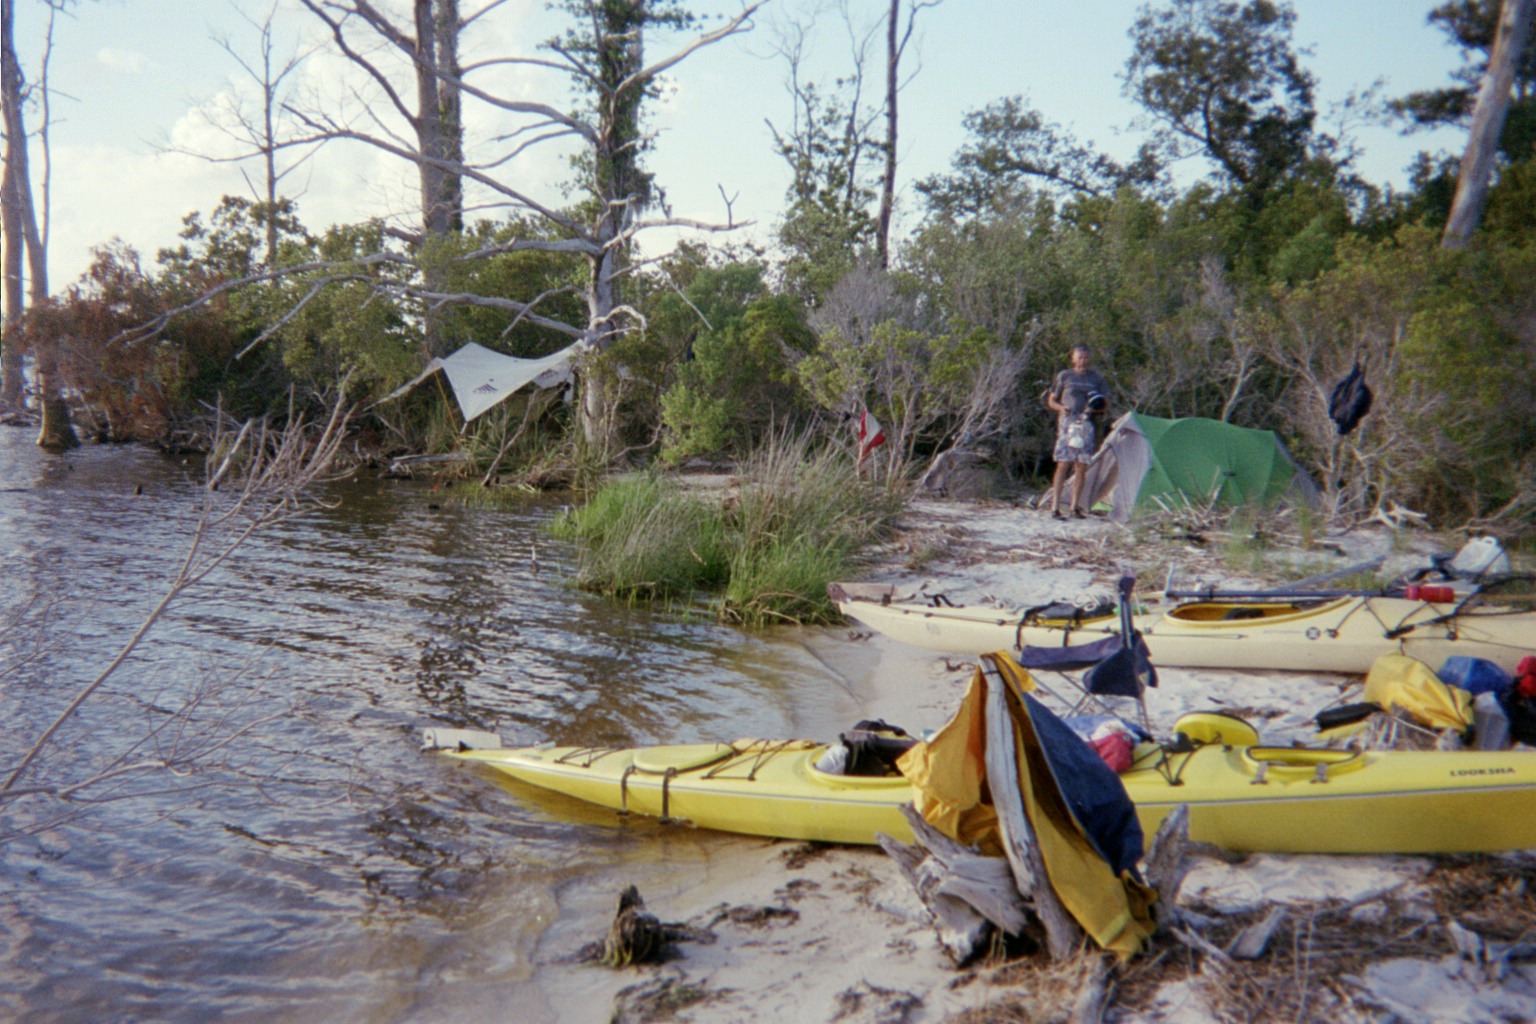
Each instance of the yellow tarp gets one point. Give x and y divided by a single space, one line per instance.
1413 686
949 780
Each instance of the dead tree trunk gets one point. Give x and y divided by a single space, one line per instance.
21 222
1473 180
11 202
888 182
1063 935
431 45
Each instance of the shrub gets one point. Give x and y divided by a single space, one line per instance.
643 538
766 553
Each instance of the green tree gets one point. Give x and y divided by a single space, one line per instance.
736 387
1223 78
1013 149
919 384
827 225
1440 334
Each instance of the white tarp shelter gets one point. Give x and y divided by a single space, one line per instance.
482 379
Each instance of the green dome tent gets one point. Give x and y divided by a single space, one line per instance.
1201 460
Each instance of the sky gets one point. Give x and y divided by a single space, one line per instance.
138 85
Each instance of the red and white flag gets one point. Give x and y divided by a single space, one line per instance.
871 435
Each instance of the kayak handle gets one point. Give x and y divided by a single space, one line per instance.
1296 763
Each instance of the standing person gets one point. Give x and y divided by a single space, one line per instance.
1076 397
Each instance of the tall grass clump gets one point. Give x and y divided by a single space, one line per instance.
800 519
645 538
763 553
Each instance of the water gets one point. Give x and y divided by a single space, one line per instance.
307 861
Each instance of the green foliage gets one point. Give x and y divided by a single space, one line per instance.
644 538
1308 253
347 326
767 553
482 263
1224 79
1012 151
740 384
835 166
1511 213
913 381
1433 329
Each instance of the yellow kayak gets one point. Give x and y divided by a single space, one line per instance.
1328 634
755 787
1241 797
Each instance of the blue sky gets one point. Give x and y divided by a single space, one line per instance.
131 76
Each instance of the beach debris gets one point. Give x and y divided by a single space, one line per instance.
1252 942
1490 958
970 896
993 777
1167 859
636 936
1063 936
662 996
875 1004
1093 997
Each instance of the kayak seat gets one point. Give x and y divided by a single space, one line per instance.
1116 666
1068 658
1208 727
1238 614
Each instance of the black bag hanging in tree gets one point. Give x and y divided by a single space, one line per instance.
1350 401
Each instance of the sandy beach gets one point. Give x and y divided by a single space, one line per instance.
797 932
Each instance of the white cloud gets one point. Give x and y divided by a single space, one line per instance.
123 60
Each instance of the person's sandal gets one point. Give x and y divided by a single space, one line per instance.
1056 514
1078 513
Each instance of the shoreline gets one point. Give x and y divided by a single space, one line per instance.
815 933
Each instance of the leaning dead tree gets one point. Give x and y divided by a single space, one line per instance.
1473 180
604 56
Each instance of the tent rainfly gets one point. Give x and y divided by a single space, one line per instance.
482 379
1145 457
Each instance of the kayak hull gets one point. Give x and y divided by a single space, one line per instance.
1338 634
1283 800
1371 802
760 788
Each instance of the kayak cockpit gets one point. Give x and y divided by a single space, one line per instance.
1226 612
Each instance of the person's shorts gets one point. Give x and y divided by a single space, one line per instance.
1063 452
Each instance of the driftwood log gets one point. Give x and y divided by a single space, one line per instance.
969 896
636 936
1063 936
1088 1007
1166 861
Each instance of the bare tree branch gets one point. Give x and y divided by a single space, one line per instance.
273 474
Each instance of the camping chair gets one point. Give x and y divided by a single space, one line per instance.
1114 667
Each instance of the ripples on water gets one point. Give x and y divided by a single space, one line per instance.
326 868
